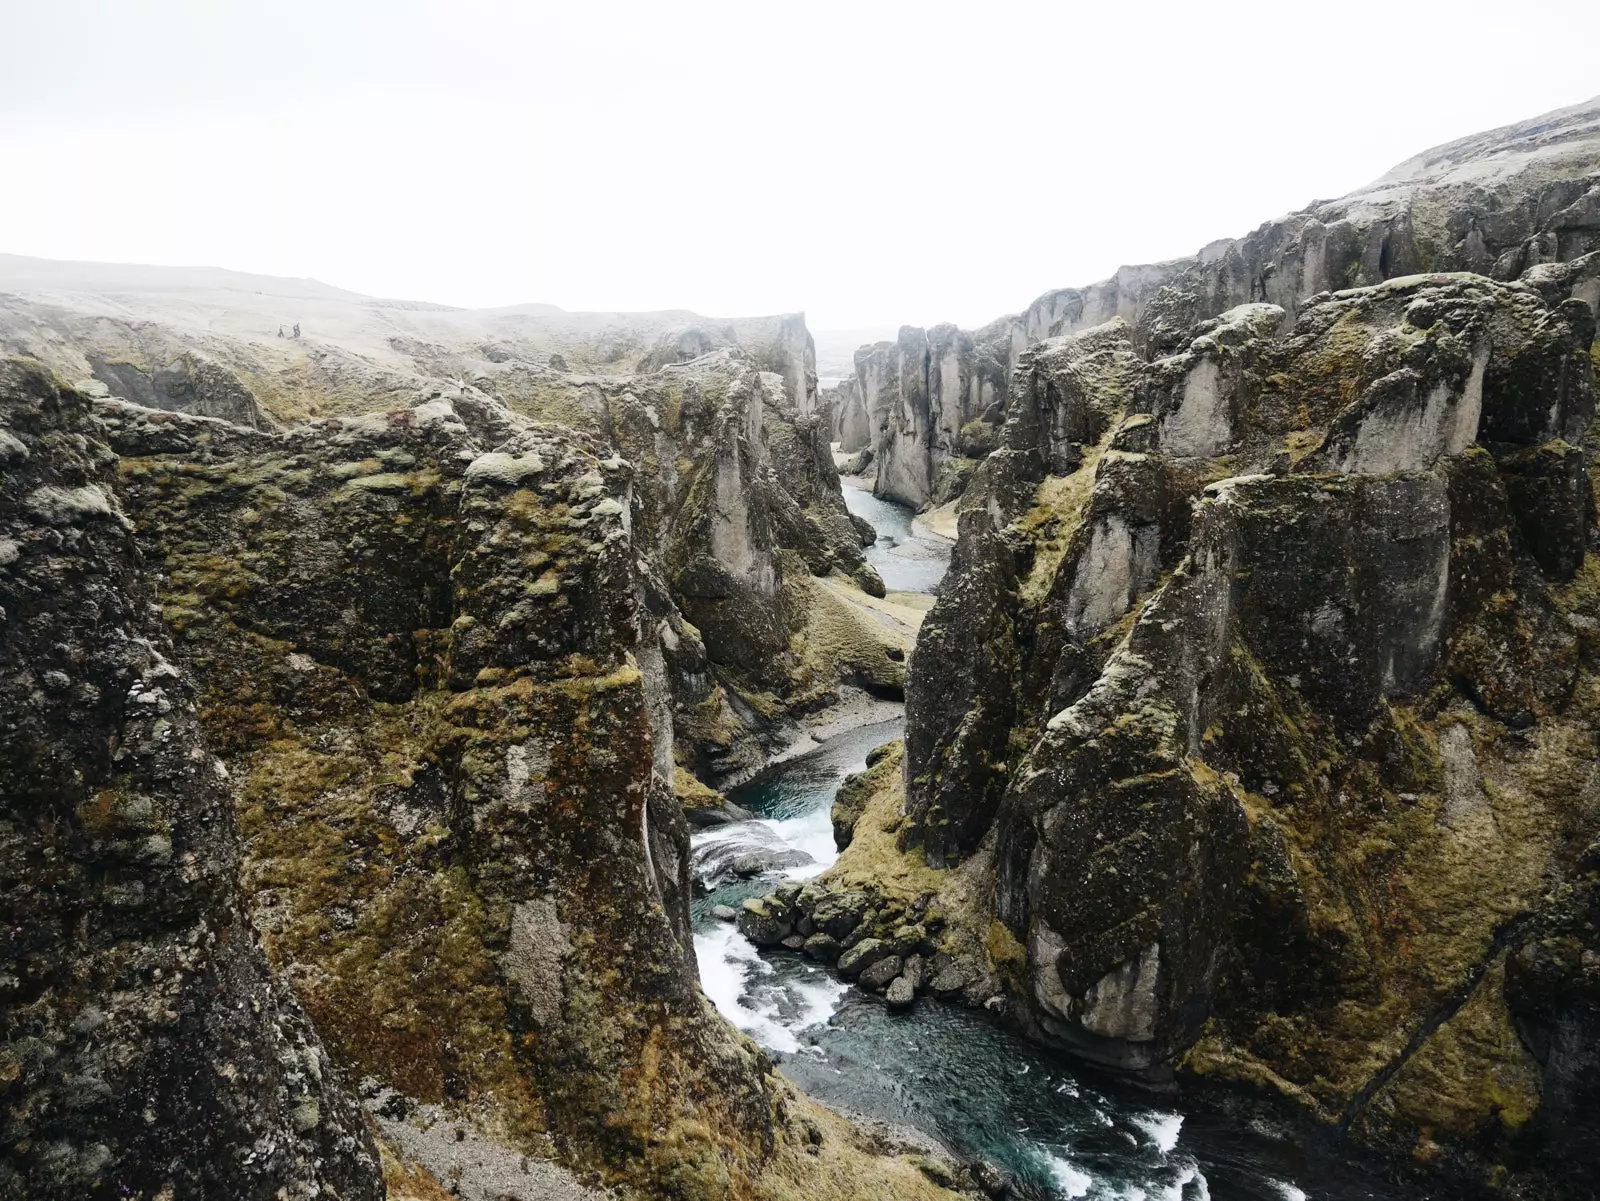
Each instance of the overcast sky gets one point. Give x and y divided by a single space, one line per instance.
870 163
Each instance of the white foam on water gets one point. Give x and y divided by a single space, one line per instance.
725 968
1071 1179
734 976
1288 1190
819 997
716 834
1162 1128
1192 1174
812 833
1189 1173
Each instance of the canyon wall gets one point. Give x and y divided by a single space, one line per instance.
1263 689
148 1048
387 703
739 496
1496 203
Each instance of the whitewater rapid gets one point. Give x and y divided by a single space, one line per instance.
951 1072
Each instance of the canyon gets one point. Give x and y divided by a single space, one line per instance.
460 752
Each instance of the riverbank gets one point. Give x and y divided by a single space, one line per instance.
1023 1117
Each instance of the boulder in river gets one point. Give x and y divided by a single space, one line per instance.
916 971
861 956
902 992
839 913
949 982
764 922
823 947
881 973
725 913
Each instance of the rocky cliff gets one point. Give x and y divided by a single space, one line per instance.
148 1049
1496 203
848 415
421 657
740 501
932 399
1263 689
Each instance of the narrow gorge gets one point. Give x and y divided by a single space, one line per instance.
1144 747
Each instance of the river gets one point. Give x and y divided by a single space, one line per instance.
954 1073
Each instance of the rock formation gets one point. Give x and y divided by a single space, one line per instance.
433 670
740 500
931 398
354 690
148 1050
1281 724
1497 203
848 412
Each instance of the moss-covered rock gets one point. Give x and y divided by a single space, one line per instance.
1293 735
462 836
148 1050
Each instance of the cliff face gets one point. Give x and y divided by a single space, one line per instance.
148 1050
722 418
1497 203
848 412
1282 737
739 497
931 398
437 674
425 651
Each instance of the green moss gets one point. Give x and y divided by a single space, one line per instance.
1472 1079
875 861
1007 957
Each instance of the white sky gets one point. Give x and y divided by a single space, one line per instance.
869 163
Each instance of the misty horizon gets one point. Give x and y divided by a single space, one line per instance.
726 163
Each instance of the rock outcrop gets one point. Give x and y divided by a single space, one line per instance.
722 417
931 399
1497 203
740 501
433 666
148 1050
848 412
1282 729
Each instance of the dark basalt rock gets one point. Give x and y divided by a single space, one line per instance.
149 1049
1314 629
863 955
1547 487
1552 989
879 973
823 947
765 921
962 674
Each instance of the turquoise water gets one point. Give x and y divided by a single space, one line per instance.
981 1090
908 561
952 1072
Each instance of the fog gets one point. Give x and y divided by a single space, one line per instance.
871 164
